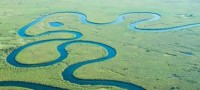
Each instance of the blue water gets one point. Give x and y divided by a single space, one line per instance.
56 24
120 19
68 72
187 53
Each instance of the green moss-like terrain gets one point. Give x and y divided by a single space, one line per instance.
153 60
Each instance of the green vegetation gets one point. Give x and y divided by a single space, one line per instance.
38 54
152 60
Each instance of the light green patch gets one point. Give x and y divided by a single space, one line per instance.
152 60
83 52
41 53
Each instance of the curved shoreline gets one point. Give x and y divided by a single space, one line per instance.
119 19
68 72
11 58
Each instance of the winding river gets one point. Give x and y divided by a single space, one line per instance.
67 74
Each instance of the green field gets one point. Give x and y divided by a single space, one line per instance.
152 60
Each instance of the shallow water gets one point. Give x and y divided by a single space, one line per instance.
68 72
56 24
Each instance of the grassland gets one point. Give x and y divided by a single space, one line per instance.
155 61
